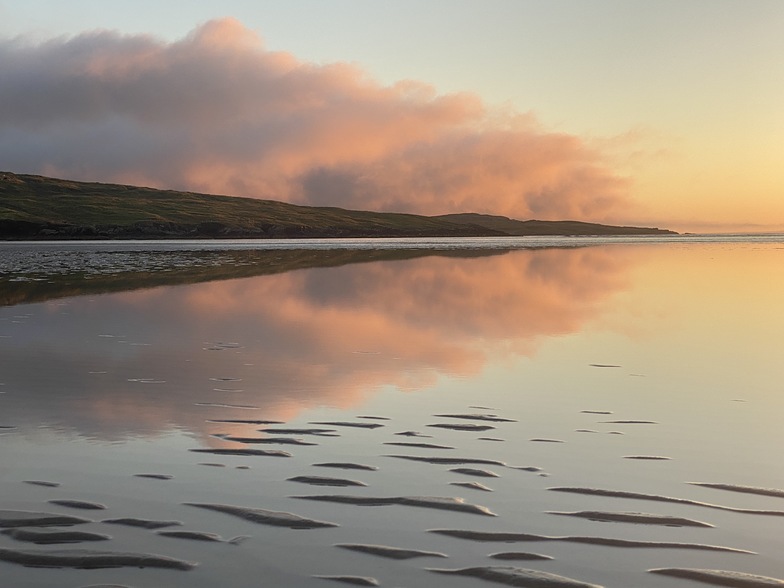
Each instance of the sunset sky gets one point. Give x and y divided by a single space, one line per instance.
662 113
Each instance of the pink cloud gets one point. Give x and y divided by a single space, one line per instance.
217 112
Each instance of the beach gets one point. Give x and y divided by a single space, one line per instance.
593 415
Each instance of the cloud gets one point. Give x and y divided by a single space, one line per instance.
218 112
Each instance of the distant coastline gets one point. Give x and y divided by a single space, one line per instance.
36 207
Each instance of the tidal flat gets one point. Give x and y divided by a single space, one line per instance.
344 394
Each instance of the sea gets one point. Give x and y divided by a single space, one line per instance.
533 411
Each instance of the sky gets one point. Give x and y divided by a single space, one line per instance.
666 113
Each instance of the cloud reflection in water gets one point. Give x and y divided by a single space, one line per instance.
137 363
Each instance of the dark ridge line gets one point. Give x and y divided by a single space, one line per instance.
489 536
657 498
346 466
266 440
775 492
512 576
434 502
475 472
347 424
648 457
265 517
389 552
353 580
633 517
449 460
519 556
472 485
318 432
142 523
720 577
52 537
462 427
42 483
85 559
419 445
81 504
477 417
630 422
244 452
324 481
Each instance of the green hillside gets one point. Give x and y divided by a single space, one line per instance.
538 227
37 207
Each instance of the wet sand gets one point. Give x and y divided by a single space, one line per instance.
593 479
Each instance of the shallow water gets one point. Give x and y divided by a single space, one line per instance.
651 367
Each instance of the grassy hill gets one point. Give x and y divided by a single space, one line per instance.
37 207
511 226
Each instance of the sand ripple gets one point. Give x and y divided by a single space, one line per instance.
348 424
518 577
436 502
244 451
194 536
491 536
42 483
265 517
390 552
449 460
462 426
634 517
475 472
720 577
52 537
267 440
323 481
472 485
419 445
658 498
477 417
346 466
142 523
23 518
745 489
82 504
354 580
306 431
84 559
519 556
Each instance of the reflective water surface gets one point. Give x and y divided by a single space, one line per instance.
641 366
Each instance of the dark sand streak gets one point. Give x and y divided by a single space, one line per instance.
346 466
84 559
657 498
265 517
633 517
142 523
436 502
244 452
720 577
477 417
353 580
389 552
522 577
775 492
322 481
490 536
52 537
81 504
